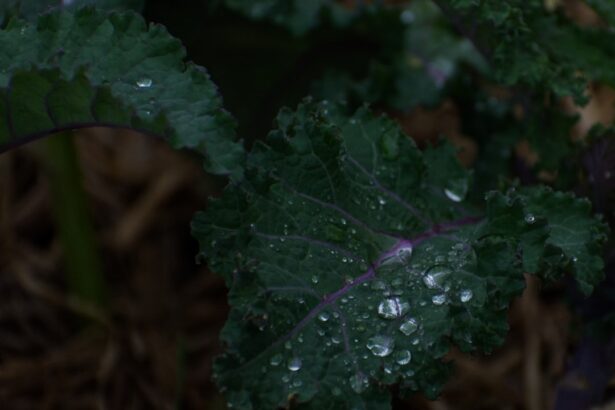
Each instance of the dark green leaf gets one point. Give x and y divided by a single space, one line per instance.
354 261
92 68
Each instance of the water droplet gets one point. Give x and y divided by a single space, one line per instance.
392 308
407 17
465 295
382 201
294 364
323 316
409 326
453 196
434 278
439 299
403 254
276 360
359 383
144 82
379 285
380 345
530 218
403 357
314 279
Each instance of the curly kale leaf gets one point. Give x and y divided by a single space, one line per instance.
92 68
354 262
531 45
431 54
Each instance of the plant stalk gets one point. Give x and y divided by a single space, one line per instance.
74 224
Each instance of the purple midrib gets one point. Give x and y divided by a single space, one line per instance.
331 298
370 274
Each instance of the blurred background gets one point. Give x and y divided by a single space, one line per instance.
152 346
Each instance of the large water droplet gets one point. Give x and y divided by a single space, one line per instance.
435 277
380 345
403 254
323 316
392 308
456 190
144 82
439 299
409 326
294 364
452 195
359 383
403 357
530 218
465 295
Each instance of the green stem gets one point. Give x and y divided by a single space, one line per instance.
82 260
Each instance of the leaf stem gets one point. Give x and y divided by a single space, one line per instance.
81 258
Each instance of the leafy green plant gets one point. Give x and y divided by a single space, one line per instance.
355 258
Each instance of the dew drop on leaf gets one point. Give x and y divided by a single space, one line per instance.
380 345
402 255
452 195
409 326
434 278
323 316
359 383
379 285
144 82
392 308
276 360
294 364
439 299
403 357
530 218
465 295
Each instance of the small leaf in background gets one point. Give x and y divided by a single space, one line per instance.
31 9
